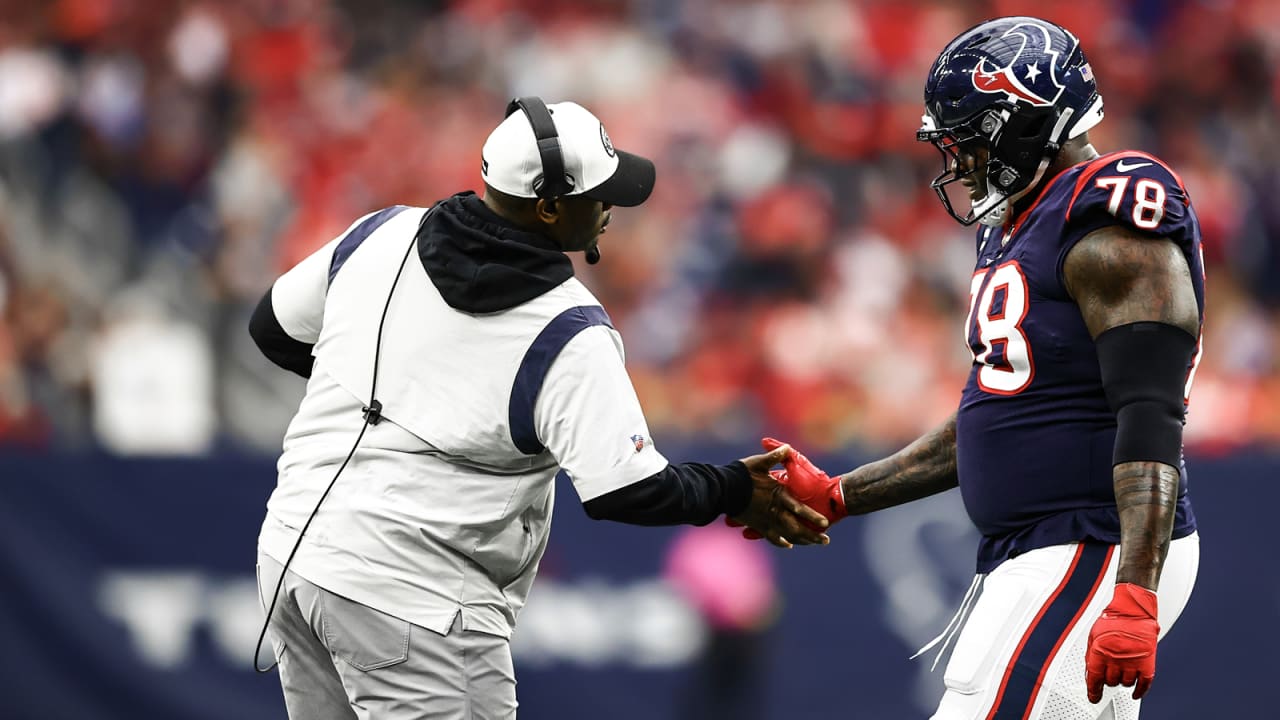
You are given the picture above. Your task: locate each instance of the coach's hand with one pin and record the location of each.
(748, 533)
(1122, 643)
(773, 512)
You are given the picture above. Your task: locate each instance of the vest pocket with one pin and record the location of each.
(364, 638)
(277, 644)
(505, 555)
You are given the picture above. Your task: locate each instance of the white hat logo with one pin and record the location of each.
(608, 144)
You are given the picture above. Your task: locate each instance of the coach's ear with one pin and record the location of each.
(547, 210)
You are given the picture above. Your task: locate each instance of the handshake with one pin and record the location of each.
(807, 484)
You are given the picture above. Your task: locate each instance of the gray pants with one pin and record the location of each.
(340, 660)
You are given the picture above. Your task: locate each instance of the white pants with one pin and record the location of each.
(340, 660)
(1024, 642)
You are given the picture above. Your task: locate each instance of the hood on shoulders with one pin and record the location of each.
(482, 263)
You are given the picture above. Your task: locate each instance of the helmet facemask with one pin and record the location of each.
(1020, 142)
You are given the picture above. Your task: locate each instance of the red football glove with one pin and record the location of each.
(810, 485)
(1122, 643)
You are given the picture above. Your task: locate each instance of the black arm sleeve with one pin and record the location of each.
(275, 343)
(686, 494)
(1144, 373)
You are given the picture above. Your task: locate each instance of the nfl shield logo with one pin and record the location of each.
(638, 441)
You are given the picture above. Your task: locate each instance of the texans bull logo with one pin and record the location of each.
(1005, 80)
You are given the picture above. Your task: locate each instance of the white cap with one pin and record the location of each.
(511, 162)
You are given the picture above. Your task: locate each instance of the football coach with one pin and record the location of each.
(455, 365)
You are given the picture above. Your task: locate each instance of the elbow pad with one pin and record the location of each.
(1144, 373)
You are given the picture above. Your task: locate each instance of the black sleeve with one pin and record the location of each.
(275, 343)
(1144, 369)
(686, 494)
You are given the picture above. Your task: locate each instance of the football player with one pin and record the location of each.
(1087, 298)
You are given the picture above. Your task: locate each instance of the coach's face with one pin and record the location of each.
(575, 222)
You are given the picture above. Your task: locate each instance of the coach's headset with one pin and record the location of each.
(553, 183)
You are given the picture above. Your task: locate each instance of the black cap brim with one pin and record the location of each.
(629, 185)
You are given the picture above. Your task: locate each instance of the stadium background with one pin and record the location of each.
(161, 162)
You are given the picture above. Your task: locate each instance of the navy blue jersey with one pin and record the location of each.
(1034, 433)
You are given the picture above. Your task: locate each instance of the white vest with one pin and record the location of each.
(446, 506)
(444, 375)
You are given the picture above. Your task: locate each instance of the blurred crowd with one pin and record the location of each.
(162, 161)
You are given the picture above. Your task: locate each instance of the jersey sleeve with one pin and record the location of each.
(589, 418)
(297, 297)
(1130, 189)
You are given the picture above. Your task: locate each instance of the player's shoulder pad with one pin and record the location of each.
(1131, 188)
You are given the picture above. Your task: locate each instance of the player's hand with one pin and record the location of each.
(809, 485)
(773, 512)
(1122, 643)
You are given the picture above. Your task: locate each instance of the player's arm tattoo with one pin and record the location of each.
(1146, 495)
(923, 468)
(1118, 277)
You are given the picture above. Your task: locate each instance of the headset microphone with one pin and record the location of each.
(593, 255)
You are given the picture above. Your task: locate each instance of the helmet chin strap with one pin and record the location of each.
(993, 209)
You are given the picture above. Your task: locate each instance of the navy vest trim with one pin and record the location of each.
(1048, 631)
(533, 370)
(358, 235)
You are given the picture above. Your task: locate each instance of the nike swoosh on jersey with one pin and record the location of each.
(1121, 167)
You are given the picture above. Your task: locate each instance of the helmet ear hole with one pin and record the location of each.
(1033, 129)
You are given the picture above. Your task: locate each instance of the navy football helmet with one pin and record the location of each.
(1018, 87)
